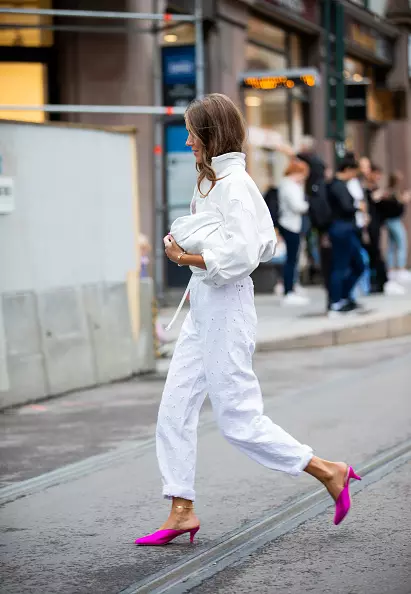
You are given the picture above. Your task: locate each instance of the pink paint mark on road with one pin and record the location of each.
(38, 407)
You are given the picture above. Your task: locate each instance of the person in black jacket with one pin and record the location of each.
(315, 189)
(347, 263)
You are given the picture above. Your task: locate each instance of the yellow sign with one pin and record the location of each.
(266, 83)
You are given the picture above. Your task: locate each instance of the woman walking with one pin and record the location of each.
(292, 207)
(223, 242)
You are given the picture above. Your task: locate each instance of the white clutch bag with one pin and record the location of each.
(195, 232)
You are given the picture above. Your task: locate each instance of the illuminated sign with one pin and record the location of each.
(267, 81)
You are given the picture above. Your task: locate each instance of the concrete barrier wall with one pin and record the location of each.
(70, 310)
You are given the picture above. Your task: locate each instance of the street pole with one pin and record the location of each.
(339, 74)
(334, 43)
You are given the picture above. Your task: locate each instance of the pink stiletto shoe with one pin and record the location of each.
(343, 503)
(163, 537)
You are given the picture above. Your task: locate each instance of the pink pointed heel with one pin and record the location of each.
(163, 537)
(343, 503)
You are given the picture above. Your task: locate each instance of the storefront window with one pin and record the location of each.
(353, 70)
(25, 84)
(258, 58)
(272, 116)
(267, 118)
(27, 35)
(295, 52)
(182, 34)
(266, 34)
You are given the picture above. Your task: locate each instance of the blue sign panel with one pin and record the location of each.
(179, 64)
(178, 75)
(181, 178)
(176, 136)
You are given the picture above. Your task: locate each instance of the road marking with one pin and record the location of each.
(98, 462)
(183, 577)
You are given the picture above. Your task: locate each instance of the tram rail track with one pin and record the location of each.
(194, 570)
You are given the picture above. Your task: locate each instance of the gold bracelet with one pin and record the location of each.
(178, 259)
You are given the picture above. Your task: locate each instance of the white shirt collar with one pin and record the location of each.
(222, 162)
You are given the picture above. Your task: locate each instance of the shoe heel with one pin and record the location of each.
(352, 475)
(193, 532)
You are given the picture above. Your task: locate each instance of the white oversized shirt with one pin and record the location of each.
(244, 234)
(231, 226)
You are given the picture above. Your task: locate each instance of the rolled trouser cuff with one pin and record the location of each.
(303, 462)
(170, 491)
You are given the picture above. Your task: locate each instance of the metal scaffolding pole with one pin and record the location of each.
(101, 14)
(199, 49)
(103, 29)
(158, 182)
(113, 109)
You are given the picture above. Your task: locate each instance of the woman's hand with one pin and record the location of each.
(377, 195)
(173, 250)
(406, 197)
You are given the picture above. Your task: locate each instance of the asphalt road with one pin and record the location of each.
(77, 536)
(369, 554)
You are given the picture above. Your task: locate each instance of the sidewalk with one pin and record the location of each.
(281, 328)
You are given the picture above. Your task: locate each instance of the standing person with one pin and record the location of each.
(232, 232)
(379, 278)
(315, 189)
(319, 212)
(392, 208)
(292, 207)
(355, 188)
(347, 263)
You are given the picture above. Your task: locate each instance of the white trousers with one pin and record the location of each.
(213, 356)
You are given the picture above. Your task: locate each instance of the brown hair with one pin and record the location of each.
(219, 125)
(297, 166)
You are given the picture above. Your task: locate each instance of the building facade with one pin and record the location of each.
(113, 64)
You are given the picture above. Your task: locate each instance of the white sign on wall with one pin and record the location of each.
(6, 195)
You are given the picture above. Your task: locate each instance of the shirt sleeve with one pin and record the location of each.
(241, 252)
(295, 200)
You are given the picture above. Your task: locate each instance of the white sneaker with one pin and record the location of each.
(279, 289)
(393, 288)
(300, 290)
(403, 276)
(295, 300)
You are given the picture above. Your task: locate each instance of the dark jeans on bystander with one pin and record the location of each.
(292, 242)
(347, 263)
(377, 264)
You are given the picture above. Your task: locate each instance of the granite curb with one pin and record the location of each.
(365, 330)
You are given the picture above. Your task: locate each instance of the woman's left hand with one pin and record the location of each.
(173, 250)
